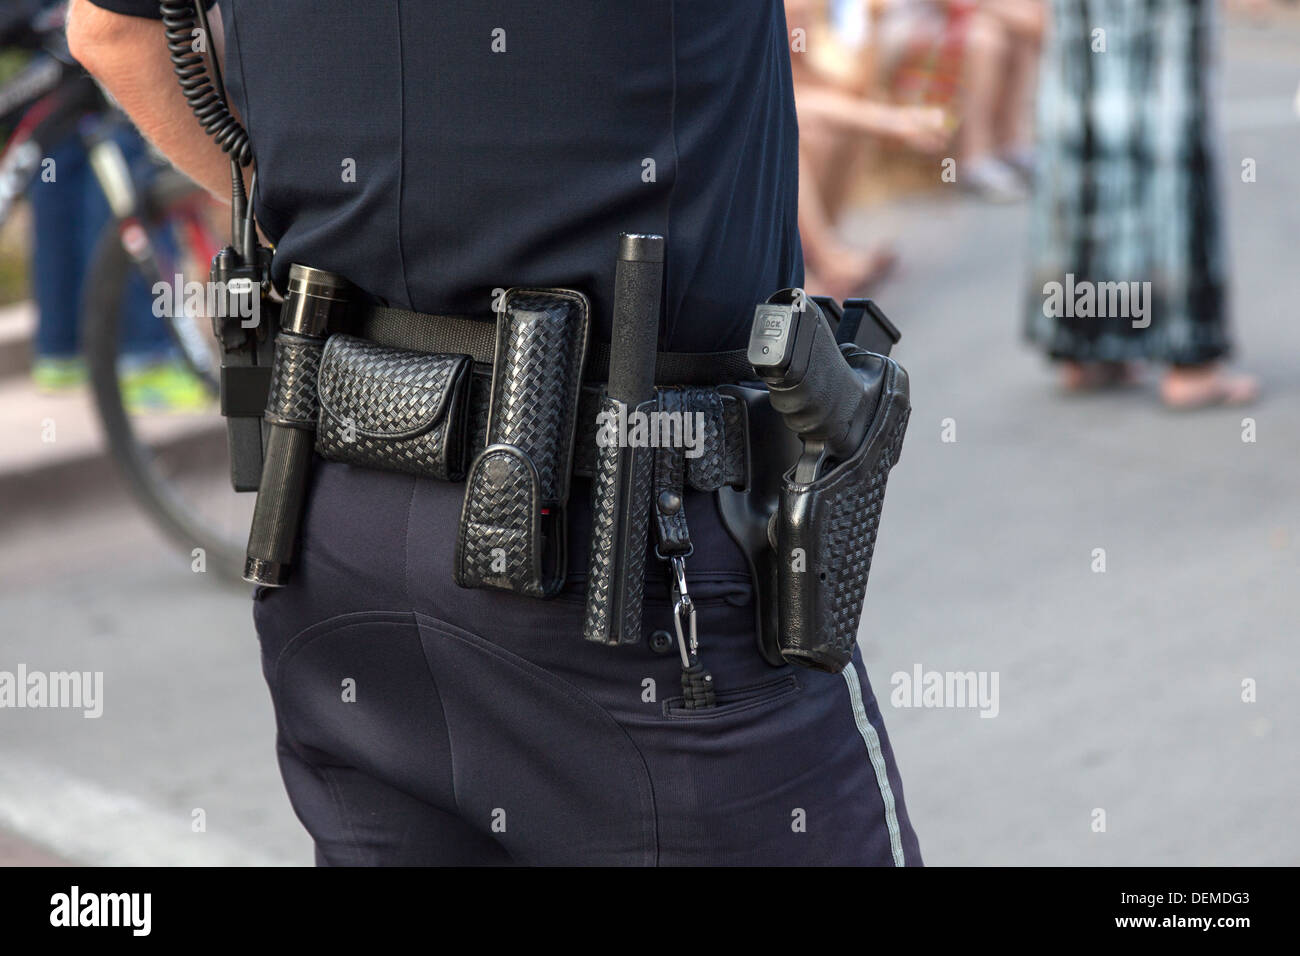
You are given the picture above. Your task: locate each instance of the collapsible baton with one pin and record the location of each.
(625, 476)
(316, 302)
(620, 493)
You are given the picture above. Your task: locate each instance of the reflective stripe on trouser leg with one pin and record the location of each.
(872, 740)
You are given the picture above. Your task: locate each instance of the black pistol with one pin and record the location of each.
(810, 382)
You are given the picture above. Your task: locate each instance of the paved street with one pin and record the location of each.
(1119, 691)
(186, 720)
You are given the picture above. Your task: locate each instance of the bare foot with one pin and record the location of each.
(1095, 376)
(1189, 387)
(848, 272)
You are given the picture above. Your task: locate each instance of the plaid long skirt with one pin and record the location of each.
(1126, 189)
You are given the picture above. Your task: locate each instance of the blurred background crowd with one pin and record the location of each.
(920, 78)
(1119, 158)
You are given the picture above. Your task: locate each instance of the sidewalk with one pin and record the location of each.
(53, 446)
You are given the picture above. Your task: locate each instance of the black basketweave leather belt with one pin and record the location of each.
(518, 407)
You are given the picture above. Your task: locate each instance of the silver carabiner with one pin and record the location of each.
(683, 613)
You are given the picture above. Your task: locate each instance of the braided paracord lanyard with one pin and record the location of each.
(673, 544)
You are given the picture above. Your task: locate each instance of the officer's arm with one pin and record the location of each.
(128, 55)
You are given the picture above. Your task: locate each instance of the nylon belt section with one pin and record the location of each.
(448, 334)
(684, 368)
(476, 337)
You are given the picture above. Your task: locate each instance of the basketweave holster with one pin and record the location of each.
(825, 532)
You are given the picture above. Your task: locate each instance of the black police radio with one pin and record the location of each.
(242, 270)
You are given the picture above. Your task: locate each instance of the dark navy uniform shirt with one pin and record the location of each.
(432, 151)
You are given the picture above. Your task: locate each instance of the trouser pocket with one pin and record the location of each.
(735, 700)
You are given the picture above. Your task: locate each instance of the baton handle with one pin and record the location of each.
(638, 278)
(621, 483)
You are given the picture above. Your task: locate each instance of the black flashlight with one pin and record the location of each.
(316, 302)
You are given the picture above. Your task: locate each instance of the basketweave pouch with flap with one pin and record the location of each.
(394, 409)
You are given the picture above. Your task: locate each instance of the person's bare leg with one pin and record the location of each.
(1022, 25)
(840, 270)
(821, 144)
(840, 167)
(981, 169)
(1011, 125)
(1024, 19)
(983, 64)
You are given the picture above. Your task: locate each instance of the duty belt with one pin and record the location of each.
(717, 457)
(517, 406)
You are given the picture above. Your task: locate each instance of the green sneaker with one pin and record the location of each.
(54, 375)
(164, 387)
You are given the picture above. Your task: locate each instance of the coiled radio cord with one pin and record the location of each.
(204, 92)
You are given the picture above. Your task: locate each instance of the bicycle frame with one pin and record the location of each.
(55, 100)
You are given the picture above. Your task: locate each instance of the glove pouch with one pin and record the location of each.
(393, 409)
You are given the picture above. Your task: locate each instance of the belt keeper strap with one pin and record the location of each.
(706, 468)
(672, 537)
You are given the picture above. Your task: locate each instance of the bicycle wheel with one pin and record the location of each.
(175, 461)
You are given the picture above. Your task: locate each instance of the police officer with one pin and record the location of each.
(433, 152)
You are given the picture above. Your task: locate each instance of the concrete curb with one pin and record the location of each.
(17, 327)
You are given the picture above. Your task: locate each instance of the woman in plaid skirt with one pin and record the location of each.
(1129, 259)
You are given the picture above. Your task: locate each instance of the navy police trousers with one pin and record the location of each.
(423, 724)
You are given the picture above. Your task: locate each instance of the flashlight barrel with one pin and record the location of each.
(273, 537)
